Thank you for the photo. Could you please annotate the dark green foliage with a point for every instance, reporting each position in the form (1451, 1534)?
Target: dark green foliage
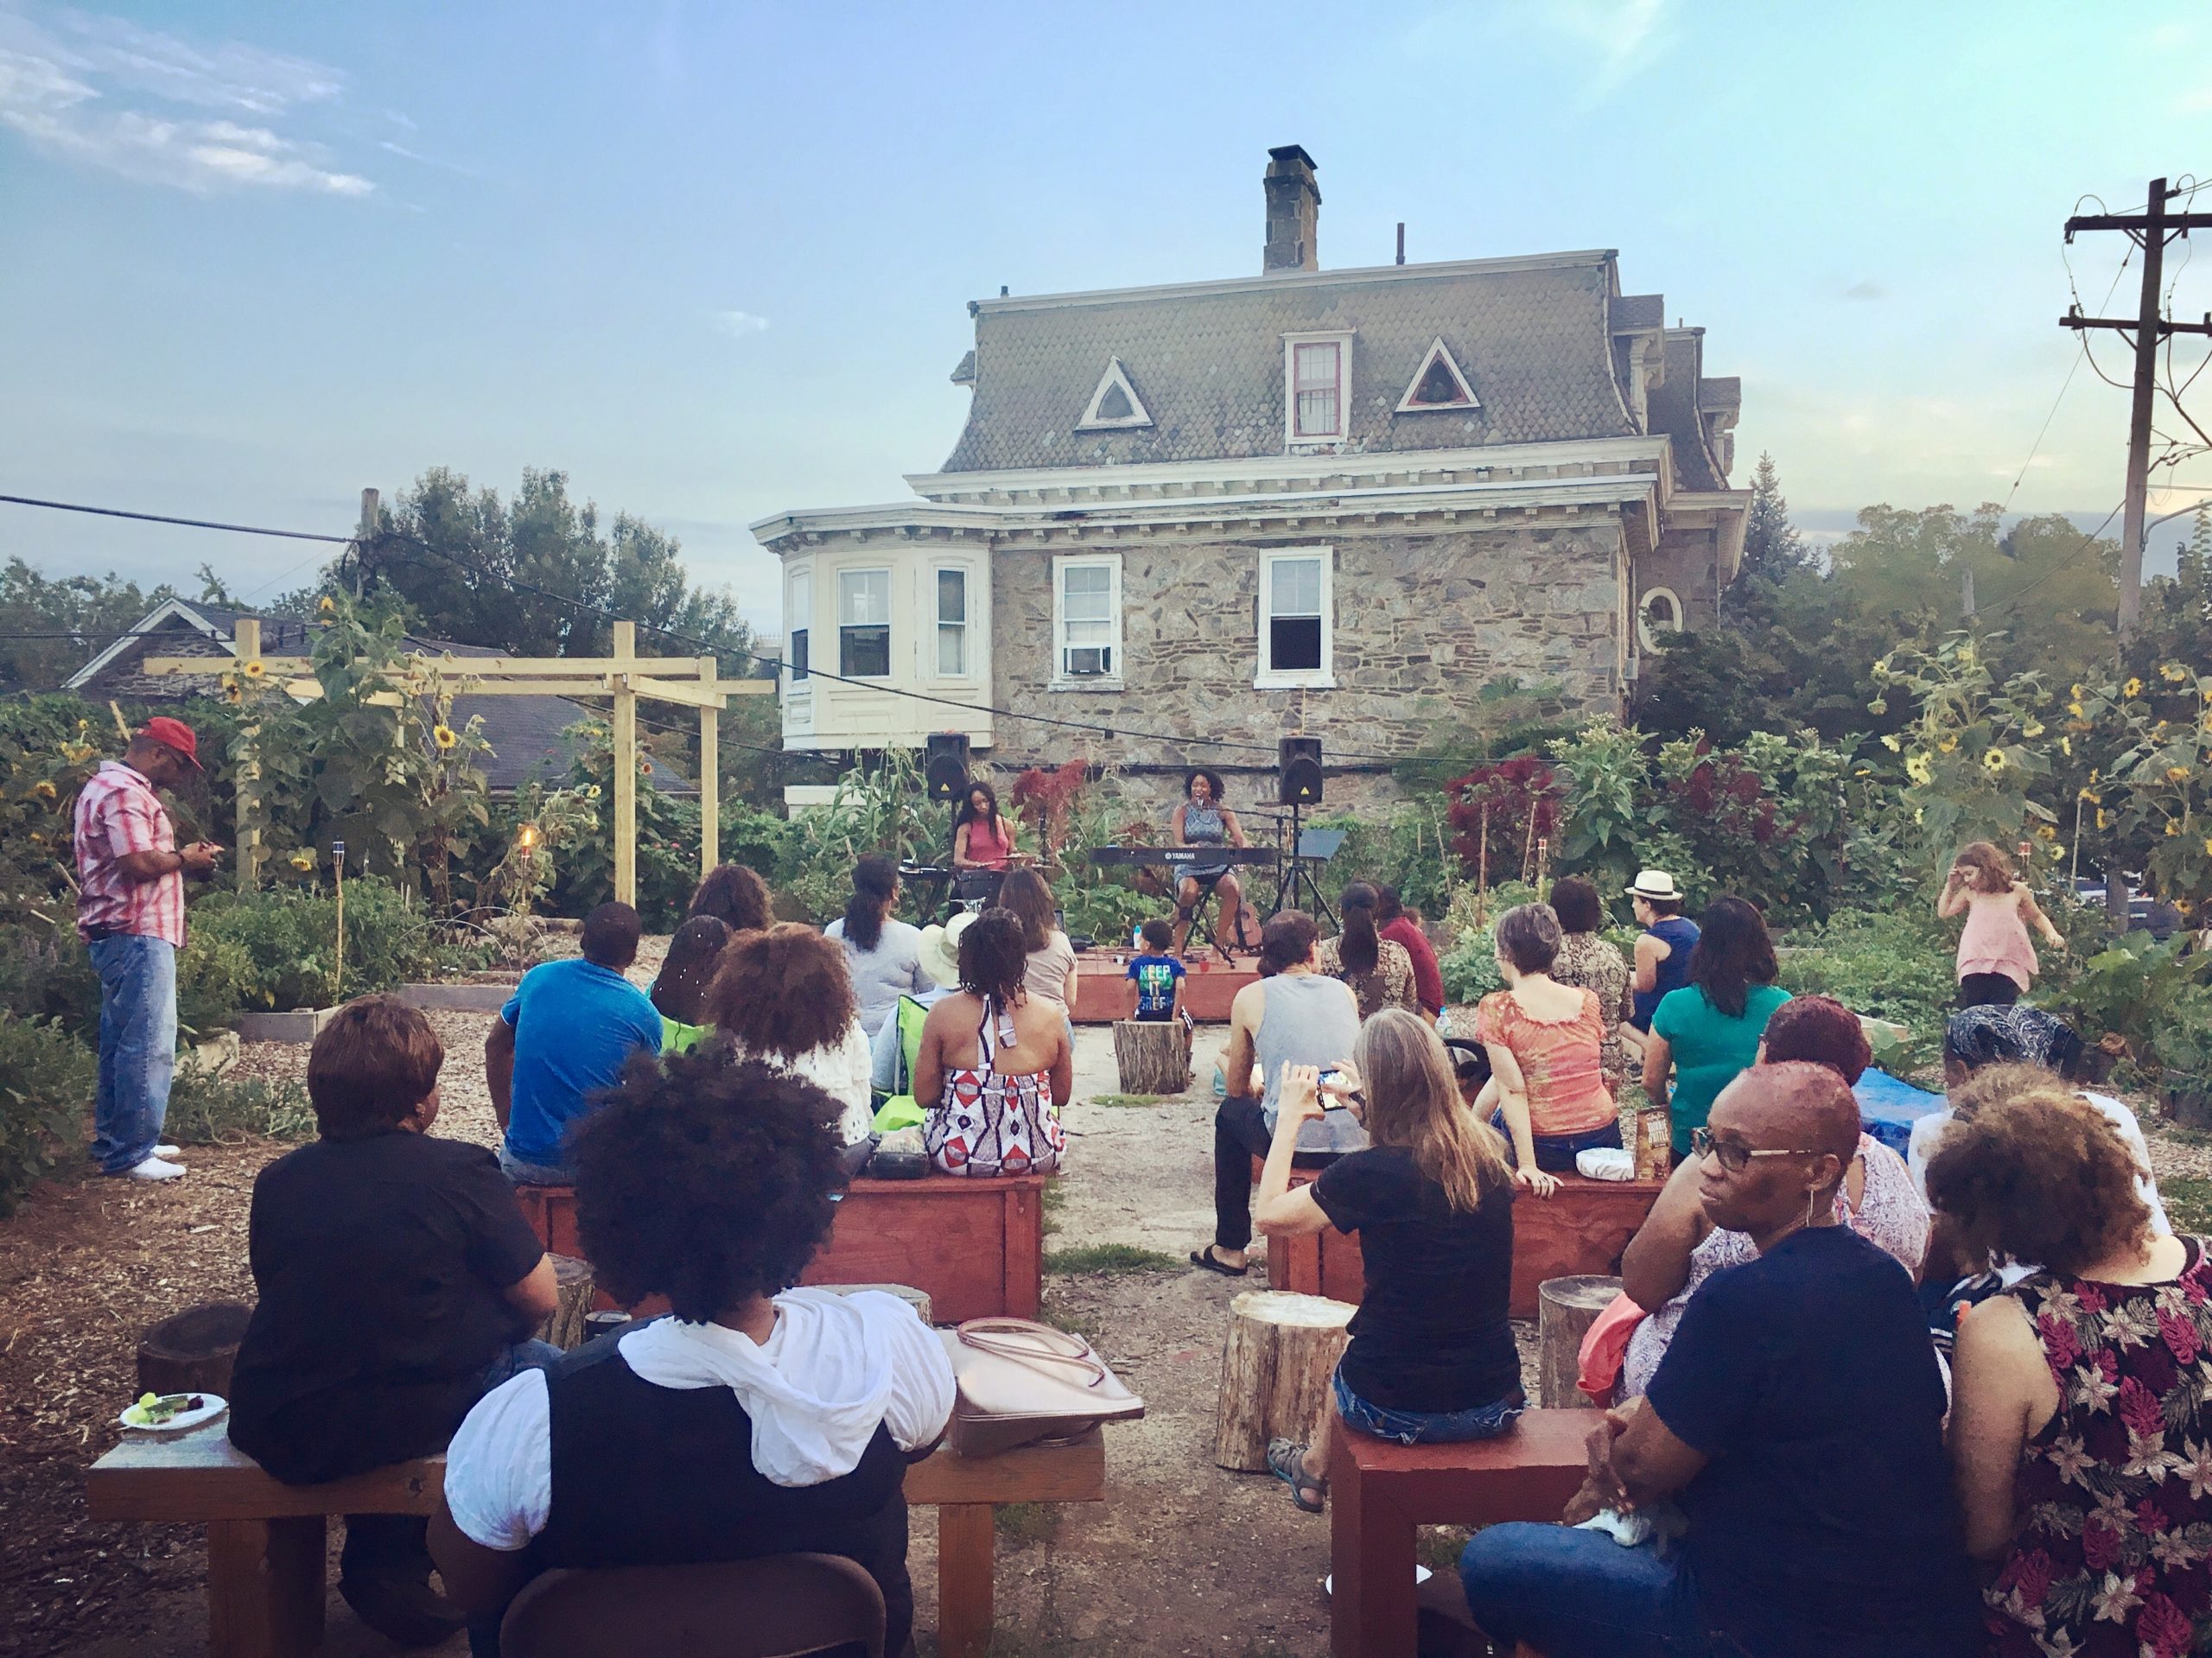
(45, 1087)
(289, 941)
(1899, 965)
(224, 1111)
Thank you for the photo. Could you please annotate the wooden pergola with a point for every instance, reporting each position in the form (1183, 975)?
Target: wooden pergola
(688, 681)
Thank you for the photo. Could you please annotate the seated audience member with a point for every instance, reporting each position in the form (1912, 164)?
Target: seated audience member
(680, 992)
(1678, 1246)
(1546, 1044)
(996, 1064)
(882, 953)
(895, 1046)
(2079, 1416)
(1157, 973)
(1709, 1030)
(1470, 1070)
(1379, 971)
(397, 1281)
(565, 1034)
(756, 1418)
(1983, 1038)
(1431, 1356)
(1050, 975)
(1404, 930)
(1291, 1014)
(1662, 949)
(736, 896)
(1586, 960)
(1796, 1420)
(782, 996)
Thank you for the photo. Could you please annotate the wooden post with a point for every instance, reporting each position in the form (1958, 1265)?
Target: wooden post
(710, 773)
(574, 1287)
(626, 764)
(1150, 1056)
(1482, 867)
(963, 1579)
(247, 636)
(264, 1586)
(1566, 1308)
(1283, 1348)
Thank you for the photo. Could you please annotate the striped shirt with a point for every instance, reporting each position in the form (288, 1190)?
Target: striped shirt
(118, 812)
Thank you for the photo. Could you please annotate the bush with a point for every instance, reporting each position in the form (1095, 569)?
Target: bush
(47, 1079)
(1470, 966)
(1900, 966)
(285, 942)
(221, 1111)
(46, 972)
(2157, 996)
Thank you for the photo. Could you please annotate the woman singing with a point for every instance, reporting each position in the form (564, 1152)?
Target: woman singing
(1202, 820)
(982, 846)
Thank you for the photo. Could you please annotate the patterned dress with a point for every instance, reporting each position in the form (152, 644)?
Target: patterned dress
(1588, 963)
(990, 1122)
(2114, 1495)
(1389, 985)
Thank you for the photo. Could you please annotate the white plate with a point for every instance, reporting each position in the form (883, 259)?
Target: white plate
(183, 1421)
(1421, 1575)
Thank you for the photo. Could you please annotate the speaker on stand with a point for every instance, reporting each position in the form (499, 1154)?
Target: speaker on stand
(1297, 785)
(944, 767)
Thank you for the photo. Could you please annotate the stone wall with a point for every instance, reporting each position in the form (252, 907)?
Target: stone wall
(121, 679)
(1423, 621)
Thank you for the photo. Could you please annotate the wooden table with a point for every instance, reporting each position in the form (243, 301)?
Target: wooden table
(1379, 1491)
(266, 1540)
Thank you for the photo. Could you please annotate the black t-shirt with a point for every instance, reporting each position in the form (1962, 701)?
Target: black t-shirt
(1431, 1334)
(382, 1265)
(1825, 1523)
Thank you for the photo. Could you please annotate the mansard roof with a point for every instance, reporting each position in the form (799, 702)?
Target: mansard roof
(1531, 335)
(1679, 405)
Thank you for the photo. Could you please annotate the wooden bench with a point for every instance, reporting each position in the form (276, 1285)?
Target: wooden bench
(266, 1544)
(976, 1247)
(1379, 1491)
(1579, 1230)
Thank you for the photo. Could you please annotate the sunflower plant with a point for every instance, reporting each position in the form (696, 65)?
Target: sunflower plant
(2156, 784)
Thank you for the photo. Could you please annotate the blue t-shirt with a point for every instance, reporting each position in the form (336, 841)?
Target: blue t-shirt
(1156, 977)
(1678, 934)
(1825, 1523)
(576, 1024)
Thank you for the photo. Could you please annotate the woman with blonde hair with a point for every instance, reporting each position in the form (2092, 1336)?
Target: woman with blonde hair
(1996, 959)
(1431, 1356)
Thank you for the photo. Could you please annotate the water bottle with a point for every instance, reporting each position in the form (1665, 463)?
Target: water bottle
(1136, 938)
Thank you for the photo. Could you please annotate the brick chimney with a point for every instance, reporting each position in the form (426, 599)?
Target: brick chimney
(1293, 211)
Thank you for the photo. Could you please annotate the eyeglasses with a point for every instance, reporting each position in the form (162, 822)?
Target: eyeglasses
(1733, 1158)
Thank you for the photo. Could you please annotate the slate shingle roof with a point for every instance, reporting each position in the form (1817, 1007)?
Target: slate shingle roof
(1640, 311)
(1674, 411)
(1530, 335)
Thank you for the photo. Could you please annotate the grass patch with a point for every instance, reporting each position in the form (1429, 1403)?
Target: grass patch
(1023, 1523)
(2189, 1202)
(217, 1111)
(1109, 1258)
(1129, 1099)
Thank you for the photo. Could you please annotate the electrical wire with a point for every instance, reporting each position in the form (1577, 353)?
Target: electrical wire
(2007, 603)
(160, 517)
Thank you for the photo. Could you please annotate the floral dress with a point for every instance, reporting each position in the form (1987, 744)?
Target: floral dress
(2114, 1495)
(1391, 984)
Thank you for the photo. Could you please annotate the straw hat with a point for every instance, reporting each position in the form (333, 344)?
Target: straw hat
(940, 949)
(1655, 883)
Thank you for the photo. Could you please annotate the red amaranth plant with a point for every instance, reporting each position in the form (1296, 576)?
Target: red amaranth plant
(1043, 796)
(1521, 799)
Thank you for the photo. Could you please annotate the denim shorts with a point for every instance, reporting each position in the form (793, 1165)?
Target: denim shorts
(1428, 1427)
(1555, 1153)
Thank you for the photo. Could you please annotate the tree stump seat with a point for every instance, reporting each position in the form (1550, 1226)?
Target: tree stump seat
(1276, 1364)
(191, 1351)
(1150, 1056)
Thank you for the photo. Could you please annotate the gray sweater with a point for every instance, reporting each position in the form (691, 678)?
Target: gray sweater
(881, 976)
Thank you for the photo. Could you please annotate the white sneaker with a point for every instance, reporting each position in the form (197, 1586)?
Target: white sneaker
(154, 1169)
(172, 1153)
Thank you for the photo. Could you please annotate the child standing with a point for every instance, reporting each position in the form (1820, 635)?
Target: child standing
(1996, 959)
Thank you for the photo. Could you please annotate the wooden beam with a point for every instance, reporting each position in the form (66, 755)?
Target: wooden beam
(625, 765)
(671, 690)
(245, 638)
(210, 666)
(711, 766)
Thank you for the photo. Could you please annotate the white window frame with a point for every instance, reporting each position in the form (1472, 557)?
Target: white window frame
(1648, 626)
(798, 618)
(890, 643)
(1061, 680)
(1292, 439)
(1115, 375)
(1324, 677)
(1438, 352)
(933, 665)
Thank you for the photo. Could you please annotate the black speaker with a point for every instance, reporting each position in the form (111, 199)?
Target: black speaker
(945, 771)
(1298, 771)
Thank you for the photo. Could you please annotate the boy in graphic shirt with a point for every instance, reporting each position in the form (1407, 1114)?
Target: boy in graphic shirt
(1158, 975)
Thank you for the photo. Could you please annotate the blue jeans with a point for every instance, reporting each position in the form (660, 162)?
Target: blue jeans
(1555, 1153)
(522, 1172)
(1428, 1427)
(1579, 1594)
(137, 1047)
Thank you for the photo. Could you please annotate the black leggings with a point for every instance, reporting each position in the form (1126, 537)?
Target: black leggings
(1241, 1133)
(1988, 990)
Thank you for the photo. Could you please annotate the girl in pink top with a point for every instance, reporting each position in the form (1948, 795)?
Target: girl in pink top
(1996, 959)
(1545, 1041)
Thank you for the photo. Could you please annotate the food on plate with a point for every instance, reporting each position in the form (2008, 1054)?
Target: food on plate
(154, 1410)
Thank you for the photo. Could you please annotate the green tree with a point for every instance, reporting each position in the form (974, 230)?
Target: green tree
(62, 622)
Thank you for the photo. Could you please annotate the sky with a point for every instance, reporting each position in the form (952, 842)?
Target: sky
(713, 262)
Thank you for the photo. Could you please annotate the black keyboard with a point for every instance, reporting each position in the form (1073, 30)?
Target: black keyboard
(1180, 857)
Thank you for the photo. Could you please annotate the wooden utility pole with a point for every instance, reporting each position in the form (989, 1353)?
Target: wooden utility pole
(364, 535)
(625, 763)
(246, 640)
(2150, 231)
(711, 769)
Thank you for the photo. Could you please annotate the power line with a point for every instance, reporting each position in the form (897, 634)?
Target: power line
(2004, 604)
(160, 517)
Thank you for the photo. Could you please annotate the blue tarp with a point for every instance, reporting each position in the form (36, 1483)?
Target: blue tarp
(1888, 1107)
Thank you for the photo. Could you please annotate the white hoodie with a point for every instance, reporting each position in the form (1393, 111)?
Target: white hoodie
(833, 1367)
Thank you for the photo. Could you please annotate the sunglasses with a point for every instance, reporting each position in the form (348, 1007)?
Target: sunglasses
(1733, 1158)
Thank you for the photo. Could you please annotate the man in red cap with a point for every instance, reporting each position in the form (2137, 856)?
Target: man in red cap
(131, 914)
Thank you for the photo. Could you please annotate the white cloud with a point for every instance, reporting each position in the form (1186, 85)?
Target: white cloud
(737, 324)
(79, 90)
(1609, 42)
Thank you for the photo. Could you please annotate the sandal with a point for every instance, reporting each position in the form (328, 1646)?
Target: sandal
(1213, 1263)
(1287, 1462)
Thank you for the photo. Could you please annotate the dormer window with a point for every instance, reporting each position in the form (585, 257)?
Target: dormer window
(1317, 372)
(1114, 405)
(1436, 384)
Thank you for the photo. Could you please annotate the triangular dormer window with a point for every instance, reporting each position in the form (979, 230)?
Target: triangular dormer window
(1438, 384)
(1115, 406)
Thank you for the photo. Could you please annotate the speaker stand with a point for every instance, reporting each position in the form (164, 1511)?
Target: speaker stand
(1301, 878)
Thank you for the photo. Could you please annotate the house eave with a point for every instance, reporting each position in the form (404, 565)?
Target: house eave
(1361, 274)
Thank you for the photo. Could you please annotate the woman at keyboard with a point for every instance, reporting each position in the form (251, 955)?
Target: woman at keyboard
(1202, 821)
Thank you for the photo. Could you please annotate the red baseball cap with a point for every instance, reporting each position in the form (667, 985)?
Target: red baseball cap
(174, 734)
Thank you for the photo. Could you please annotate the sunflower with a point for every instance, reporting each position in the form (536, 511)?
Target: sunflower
(2102, 821)
(2172, 826)
(2045, 832)
(303, 861)
(1918, 770)
(2074, 708)
(443, 736)
(2033, 728)
(1879, 705)
(327, 606)
(2077, 692)
(2173, 671)
(2066, 746)
(42, 789)
(2092, 797)
(1947, 745)
(1889, 741)
(233, 693)
(255, 669)
(591, 791)
(2176, 774)
(1994, 761)
(37, 839)
(2133, 690)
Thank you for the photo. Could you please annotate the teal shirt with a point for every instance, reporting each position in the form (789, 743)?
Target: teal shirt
(1709, 1049)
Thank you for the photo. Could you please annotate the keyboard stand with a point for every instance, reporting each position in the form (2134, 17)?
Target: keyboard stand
(1198, 921)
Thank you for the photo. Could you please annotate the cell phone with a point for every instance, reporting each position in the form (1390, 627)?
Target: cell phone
(1329, 1102)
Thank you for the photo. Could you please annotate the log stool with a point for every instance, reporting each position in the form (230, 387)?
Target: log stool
(577, 1288)
(193, 1351)
(1151, 1056)
(1283, 1348)
(1566, 1308)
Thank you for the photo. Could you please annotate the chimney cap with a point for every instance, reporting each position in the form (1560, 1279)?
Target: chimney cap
(1292, 152)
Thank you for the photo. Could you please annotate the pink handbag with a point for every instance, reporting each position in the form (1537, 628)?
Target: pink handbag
(1021, 1382)
(1605, 1348)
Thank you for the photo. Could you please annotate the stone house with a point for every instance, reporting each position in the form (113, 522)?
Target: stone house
(1334, 501)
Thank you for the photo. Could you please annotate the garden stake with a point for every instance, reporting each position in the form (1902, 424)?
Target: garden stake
(2073, 864)
(337, 875)
(1482, 867)
(1529, 847)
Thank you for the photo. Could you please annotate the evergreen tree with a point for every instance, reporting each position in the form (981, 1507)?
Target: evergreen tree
(1772, 547)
